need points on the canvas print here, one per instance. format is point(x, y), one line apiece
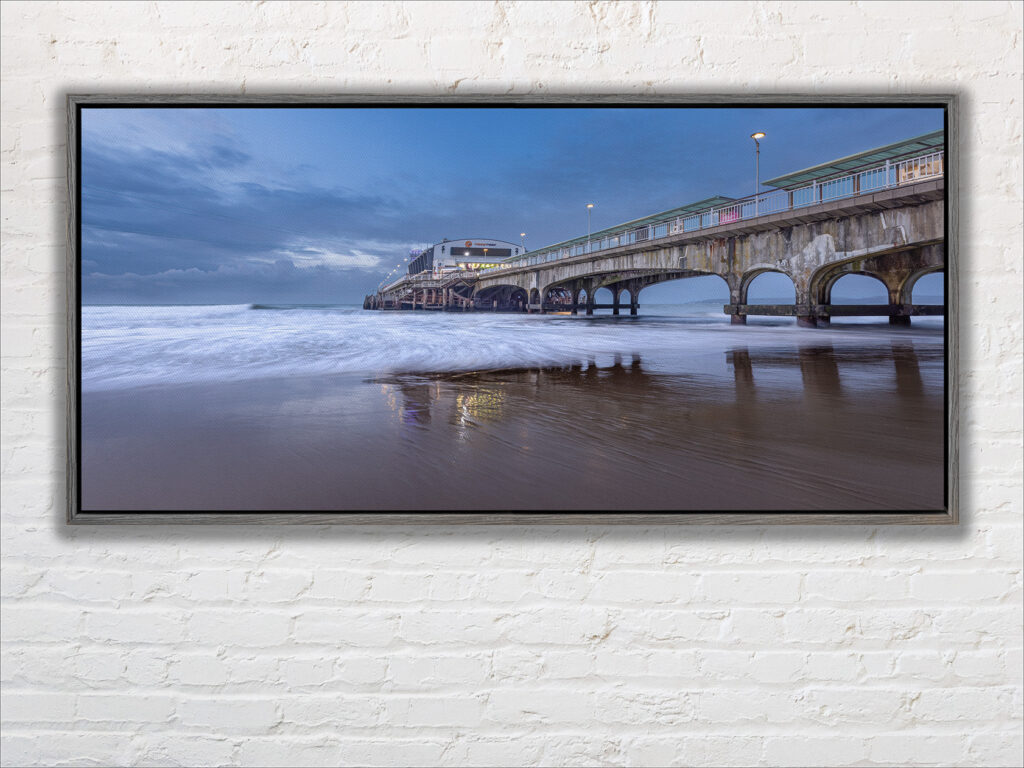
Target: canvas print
point(504, 307)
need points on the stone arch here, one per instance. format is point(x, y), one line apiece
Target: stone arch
point(599, 299)
point(906, 290)
point(518, 299)
point(830, 283)
point(751, 275)
point(502, 296)
point(556, 295)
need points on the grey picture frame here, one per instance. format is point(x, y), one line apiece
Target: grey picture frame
point(949, 516)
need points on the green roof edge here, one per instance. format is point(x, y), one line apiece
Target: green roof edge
point(687, 209)
point(781, 181)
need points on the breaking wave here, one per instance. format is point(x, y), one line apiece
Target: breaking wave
point(128, 346)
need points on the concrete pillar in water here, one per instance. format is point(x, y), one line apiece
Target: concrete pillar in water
point(899, 320)
point(806, 321)
point(738, 319)
point(615, 301)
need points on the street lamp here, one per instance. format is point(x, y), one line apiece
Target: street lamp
point(522, 240)
point(590, 207)
point(757, 166)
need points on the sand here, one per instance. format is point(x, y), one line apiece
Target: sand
point(806, 427)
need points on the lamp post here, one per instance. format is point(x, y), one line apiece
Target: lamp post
point(757, 166)
point(590, 207)
point(522, 241)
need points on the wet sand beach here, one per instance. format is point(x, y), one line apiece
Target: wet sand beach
point(834, 420)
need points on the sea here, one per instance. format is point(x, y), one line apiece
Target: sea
point(291, 407)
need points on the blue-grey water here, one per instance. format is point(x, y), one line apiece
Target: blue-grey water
point(336, 408)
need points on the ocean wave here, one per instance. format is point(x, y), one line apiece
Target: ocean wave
point(129, 346)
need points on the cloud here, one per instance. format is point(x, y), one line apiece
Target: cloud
point(313, 255)
point(164, 216)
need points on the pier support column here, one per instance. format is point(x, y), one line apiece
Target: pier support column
point(738, 319)
point(615, 300)
point(896, 300)
point(806, 321)
point(806, 317)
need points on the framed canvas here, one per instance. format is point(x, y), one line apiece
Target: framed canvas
point(600, 309)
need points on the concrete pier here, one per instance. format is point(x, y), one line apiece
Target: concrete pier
point(895, 235)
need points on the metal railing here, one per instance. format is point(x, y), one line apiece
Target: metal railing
point(859, 182)
point(428, 280)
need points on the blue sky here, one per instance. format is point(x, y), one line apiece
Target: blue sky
point(317, 205)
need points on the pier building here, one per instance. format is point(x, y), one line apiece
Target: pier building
point(467, 253)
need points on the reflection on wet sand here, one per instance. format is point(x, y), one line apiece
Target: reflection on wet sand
point(860, 429)
point(784, 427)
point(481, 396)
point(819, 367)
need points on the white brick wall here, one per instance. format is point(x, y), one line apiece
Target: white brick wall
point(717, 646)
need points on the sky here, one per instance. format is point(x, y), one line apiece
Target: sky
point(317, 205)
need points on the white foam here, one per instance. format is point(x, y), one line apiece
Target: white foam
point(130, 346)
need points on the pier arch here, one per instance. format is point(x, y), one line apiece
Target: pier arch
point(767, 283)
point(501, 297)
point(934, 283)
point(874, 289)
point(867, 289)
point(581, 297)
point(604, 295)
point(698, 286)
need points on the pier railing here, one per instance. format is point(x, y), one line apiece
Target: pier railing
point(858, 182)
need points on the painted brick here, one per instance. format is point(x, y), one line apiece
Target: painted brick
point(523, 706)
point(815, 750)
point(332, 710)
point(498, 646)
point(353, 628)
point(362, 670)
point(902, 748)
point(275, 753)
point(180, 748)
point(408, 671)
point(28, 706)
point(736, 588)
point(238, 628)
point(119, 708)
point(229, 714)
point(458, 711)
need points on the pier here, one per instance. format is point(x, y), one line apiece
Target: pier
point(880, 213)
